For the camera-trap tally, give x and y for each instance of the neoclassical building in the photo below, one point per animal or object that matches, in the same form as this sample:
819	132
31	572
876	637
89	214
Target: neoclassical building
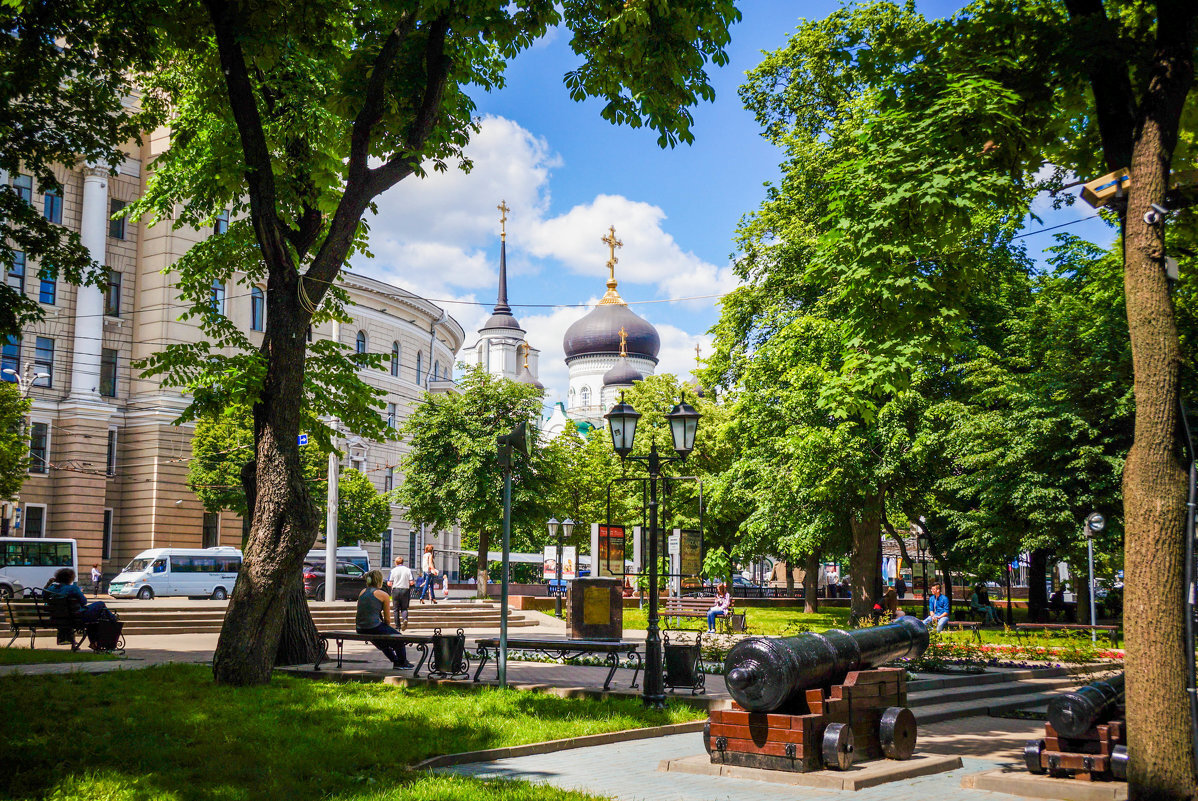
108	463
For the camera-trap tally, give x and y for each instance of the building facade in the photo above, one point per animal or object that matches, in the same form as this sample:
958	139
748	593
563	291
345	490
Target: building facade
108	463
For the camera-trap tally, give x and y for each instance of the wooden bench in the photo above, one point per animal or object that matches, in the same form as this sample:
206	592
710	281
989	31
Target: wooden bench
967	625
698	607
564	649
448	651
43	612
1111	631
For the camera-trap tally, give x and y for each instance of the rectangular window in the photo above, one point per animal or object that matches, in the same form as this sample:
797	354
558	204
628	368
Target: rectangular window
48	290
386	555
35	522
211	535
112	294
23	186
390	415
412	549
106	536
39	448
110	458
16	273
218	296
43	361
222	223
53	205
108	372
389	479
116	225
257	309
11	359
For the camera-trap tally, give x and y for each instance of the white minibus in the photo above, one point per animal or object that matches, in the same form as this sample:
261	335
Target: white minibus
194	572
33	560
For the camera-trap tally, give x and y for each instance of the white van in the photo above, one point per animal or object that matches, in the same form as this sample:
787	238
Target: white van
346	553
202	572
32	561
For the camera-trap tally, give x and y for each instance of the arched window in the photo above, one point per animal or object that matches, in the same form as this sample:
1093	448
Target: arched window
360	345
257	309
419	367
436	370
395	358
585	396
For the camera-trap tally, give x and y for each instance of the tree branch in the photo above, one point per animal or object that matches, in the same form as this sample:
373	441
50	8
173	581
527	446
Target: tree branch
372	105
258	174
1106	68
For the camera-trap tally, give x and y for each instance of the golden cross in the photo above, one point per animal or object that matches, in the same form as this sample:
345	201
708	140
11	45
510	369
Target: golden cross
698	353
623	341
612	243
503	210
527	348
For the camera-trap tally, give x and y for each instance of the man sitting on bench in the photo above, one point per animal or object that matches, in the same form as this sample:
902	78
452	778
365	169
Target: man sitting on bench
937	609
64	585
374	610
723	602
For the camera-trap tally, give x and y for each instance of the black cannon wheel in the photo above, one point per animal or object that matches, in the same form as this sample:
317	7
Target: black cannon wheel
837	748
707	736
896	732
1031	756
1119	763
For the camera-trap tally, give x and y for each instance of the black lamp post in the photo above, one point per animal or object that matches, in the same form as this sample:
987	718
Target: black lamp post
921	543
560	530
684	422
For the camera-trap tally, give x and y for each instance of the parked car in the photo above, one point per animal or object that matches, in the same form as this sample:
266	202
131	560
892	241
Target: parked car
351	580
10	587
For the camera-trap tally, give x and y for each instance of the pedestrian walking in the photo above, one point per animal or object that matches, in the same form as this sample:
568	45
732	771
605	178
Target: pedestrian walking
900	587
430	576
400	581
96	576
372	615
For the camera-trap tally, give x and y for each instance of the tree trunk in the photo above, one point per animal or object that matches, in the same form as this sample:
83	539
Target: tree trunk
811	568
298	643
284	526
1037	584
1154	480
790	580
866	526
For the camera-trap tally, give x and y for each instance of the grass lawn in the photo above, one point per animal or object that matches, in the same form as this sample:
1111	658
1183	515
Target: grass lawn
36	656
169	733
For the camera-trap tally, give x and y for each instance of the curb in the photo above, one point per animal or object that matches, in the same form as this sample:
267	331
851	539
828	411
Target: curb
550	746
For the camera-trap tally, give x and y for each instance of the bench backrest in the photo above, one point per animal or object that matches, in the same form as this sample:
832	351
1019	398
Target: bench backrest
693	604
26	614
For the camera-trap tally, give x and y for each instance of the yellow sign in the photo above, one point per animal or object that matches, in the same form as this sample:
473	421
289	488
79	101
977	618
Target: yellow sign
596	606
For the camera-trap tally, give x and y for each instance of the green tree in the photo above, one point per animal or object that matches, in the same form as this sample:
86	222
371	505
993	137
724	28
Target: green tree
363	513
14	442
452	474
934	135
68	68
297	122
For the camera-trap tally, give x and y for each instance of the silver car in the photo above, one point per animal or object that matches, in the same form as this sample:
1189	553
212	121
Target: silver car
10	587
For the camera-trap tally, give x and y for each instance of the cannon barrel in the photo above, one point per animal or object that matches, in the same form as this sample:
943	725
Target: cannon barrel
763	674
1072	714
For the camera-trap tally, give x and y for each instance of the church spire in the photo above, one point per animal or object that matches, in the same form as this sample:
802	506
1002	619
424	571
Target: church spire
501	306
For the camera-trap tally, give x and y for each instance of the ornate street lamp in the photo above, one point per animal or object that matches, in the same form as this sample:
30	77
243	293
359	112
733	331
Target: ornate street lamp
560	531
922	543
621	423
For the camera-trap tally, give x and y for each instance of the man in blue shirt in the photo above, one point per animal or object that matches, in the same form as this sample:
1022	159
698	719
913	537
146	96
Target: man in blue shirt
938	609
64	585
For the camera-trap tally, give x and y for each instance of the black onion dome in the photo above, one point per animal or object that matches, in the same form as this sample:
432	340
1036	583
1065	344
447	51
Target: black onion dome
621	375
526	377
599	332
502	320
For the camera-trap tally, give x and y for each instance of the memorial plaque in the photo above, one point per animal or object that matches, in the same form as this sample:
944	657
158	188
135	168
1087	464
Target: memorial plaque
596	609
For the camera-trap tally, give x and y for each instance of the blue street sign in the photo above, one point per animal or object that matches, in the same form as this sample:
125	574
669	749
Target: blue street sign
303	439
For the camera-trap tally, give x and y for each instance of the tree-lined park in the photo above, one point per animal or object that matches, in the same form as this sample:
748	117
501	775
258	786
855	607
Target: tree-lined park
894	356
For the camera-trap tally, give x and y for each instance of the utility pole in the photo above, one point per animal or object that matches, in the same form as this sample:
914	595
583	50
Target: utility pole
330	525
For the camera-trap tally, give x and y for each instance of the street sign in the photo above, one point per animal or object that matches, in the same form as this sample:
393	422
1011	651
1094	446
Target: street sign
674	544
303	439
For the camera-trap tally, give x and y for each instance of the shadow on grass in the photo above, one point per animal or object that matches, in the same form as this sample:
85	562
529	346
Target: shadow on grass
170	733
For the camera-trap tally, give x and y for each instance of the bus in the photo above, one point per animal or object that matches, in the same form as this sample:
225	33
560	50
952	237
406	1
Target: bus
34	560
193	572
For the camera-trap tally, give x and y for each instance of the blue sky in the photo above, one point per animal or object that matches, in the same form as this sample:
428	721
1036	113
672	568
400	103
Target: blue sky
567	174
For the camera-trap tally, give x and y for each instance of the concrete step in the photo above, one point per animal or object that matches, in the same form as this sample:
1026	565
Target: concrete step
980	692
935	713
214	628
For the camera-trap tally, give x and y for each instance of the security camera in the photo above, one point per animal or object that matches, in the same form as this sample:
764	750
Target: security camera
1155	214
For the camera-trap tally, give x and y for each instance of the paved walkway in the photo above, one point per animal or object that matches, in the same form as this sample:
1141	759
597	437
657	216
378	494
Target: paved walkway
628	772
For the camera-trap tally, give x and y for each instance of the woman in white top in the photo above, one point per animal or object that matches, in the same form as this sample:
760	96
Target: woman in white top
430	576
723	602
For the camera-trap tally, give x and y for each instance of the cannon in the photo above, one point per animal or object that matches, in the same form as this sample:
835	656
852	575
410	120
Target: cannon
766	674
1085	736
817	700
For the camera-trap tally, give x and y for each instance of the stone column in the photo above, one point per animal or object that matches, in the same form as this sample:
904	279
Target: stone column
89	303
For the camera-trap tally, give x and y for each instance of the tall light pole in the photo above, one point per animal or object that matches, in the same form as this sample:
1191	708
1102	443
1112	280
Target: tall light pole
1094	524
517	440
684	422
559	531
921	544
333	500
24	386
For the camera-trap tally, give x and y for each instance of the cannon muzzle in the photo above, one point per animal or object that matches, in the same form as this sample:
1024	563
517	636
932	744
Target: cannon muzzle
1073	714
764	674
